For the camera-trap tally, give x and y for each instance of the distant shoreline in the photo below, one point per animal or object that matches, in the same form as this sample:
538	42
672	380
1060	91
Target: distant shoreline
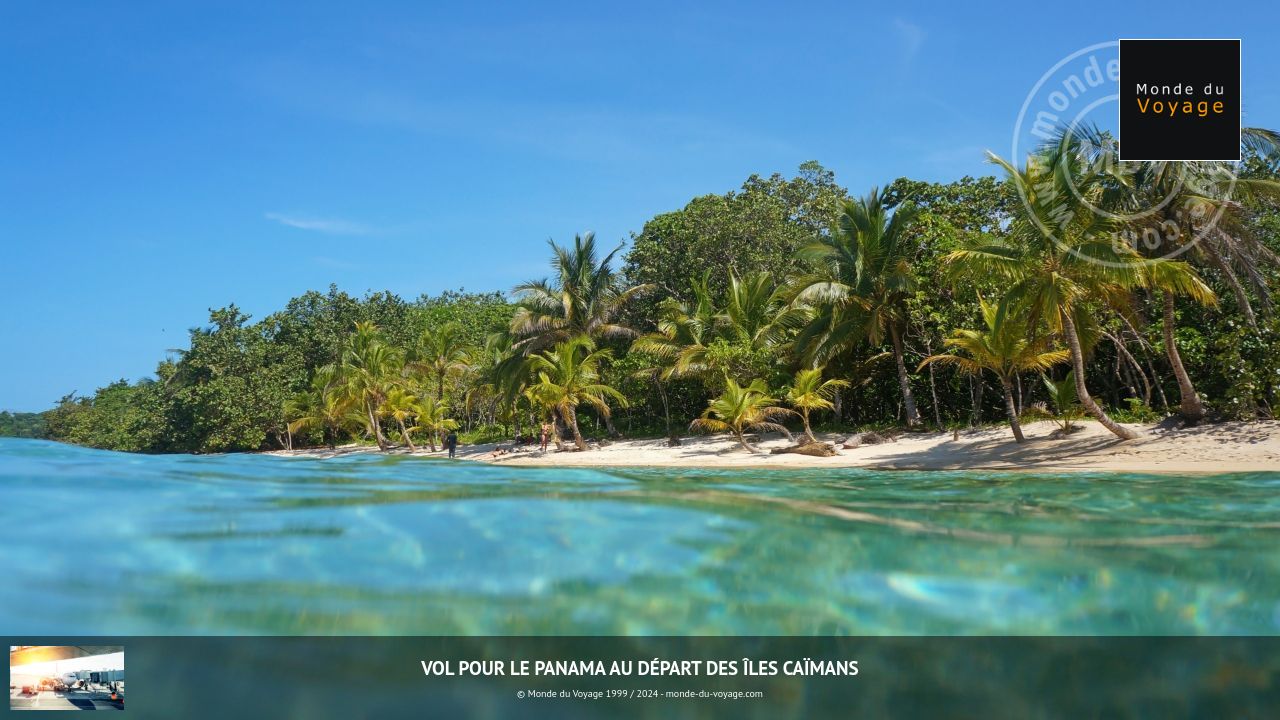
1210	448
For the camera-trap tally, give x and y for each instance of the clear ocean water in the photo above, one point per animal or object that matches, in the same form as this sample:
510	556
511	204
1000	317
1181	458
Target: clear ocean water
94	542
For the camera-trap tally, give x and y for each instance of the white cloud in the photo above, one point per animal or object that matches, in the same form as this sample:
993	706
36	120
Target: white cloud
324	225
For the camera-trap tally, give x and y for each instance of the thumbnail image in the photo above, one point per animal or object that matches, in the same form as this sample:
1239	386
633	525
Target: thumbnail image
66	677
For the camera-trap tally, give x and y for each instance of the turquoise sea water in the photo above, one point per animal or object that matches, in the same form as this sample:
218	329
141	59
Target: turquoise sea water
94	542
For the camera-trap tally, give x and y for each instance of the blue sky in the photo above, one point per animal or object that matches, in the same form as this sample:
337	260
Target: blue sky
157	160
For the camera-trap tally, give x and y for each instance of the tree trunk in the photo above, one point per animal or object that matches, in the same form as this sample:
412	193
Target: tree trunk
908	400
786	433
376	426
808	434
1156	381
1011	409
742	439
571	416
1154	377
1082	392
1191	408
933	393
666	408
975	397
609	427
1115	386
440	399
557	425
1242	298
405	434
1134	366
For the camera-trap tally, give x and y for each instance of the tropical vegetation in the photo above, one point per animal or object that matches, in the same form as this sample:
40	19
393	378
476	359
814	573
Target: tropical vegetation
771	308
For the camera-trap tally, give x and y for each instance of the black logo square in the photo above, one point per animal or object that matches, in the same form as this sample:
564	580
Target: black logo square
1180	100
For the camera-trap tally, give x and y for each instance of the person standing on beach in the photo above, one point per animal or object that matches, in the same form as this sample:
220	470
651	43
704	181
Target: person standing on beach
546	435
451	442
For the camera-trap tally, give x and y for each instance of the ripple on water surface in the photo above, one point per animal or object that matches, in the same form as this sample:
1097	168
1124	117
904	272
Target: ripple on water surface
399	545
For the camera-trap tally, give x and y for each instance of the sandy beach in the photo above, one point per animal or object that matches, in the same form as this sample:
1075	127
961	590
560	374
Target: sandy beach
1225	447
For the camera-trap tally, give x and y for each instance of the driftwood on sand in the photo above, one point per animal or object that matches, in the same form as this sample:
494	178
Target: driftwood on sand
816	449
867	438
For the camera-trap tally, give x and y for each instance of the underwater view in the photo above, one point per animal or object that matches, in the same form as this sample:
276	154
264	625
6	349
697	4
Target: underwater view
99	542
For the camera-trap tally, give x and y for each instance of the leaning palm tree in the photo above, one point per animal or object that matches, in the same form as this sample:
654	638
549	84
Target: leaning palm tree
402	406
1170	278
1204	209
862	281
1170	208
585	297
741	409
1006	347
369	369
1058	259
568	376
810	392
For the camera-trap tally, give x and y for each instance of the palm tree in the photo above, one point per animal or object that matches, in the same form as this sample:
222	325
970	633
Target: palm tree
323	406
757	311
740	409
810	392
441	353
1206	203
370	368
585	298
684	331
1006	347
862	280
433	419
756	314
1058	257
1062	393
568	376
1177	278
402	406
506	374
1169	206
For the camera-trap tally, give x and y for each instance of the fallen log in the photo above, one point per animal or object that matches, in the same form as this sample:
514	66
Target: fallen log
816	449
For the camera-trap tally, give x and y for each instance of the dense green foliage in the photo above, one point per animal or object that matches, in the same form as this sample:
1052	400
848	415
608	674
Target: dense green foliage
23	425
229	390
783	303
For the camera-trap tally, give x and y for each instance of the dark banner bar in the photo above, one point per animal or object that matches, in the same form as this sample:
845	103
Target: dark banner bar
694	677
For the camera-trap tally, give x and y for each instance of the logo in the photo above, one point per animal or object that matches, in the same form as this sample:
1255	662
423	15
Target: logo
1159	207
1180	100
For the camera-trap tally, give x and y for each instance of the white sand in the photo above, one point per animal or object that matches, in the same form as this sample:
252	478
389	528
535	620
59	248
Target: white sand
1226	447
